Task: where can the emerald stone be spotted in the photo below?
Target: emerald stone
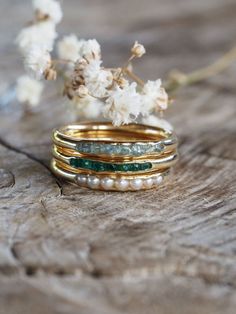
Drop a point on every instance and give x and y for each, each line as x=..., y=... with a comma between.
x=126, y=167
x=136, y=167
x=73, y=162
x=102, y=167
x=99, y=166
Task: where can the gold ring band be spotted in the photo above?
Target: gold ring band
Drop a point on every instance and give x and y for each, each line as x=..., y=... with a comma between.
x=110, y=182
x=101, y=156
x=163, y=162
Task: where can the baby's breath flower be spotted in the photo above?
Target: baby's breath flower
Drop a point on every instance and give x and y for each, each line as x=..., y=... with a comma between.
x=87, y=107
x=37, y=61
x=97, y=80
x=138, y=50
x=51, y=9
x=42, y=34
x=154, y=97
x=123, y=105
x=69, y=48
x=80, y=65
x=90, y=49
x=82, y=91
x=29, y=90
x=163, y=99
x=122, y=82
x=157, y=122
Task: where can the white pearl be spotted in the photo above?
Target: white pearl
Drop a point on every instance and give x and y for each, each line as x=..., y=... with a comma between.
x=82, y=179
x=148, y=183
x=122, y=184
x=93, y=182
x=158, y=180
x=136, y=184
x=107, y=183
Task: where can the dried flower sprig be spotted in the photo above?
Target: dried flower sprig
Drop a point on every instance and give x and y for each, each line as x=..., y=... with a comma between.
x=93, y=90
x=35, y=42
x=124, y=100
x=178, y=79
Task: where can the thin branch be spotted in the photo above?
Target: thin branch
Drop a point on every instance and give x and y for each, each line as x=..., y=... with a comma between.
x=177, y=79
x=134, y=77
x=61, y=61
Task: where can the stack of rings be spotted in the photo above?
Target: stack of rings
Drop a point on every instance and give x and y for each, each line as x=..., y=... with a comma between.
x=104, y=157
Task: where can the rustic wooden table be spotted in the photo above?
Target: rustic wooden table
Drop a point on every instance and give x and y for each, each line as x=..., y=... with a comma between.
x=170, y=251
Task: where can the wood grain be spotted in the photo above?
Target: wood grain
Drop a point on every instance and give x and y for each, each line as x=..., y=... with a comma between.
x=170, y=251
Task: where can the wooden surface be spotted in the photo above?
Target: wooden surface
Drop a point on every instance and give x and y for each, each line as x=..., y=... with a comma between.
x=170, y=251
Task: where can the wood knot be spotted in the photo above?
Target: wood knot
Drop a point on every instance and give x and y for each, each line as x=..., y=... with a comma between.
x=7, y=179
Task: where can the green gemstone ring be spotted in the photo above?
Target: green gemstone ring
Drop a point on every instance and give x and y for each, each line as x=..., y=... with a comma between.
x=104, y=157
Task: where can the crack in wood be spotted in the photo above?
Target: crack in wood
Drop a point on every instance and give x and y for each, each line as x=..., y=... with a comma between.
x=33, y=158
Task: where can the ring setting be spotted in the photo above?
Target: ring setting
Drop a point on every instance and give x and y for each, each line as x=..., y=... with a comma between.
x=103, y=157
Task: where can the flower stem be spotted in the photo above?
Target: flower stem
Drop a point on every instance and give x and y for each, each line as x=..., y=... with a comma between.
x=134, y=77
x=178, y=79
x=61, y=61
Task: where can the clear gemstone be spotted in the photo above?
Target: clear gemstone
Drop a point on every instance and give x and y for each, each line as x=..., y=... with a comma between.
x=116, y=149
x=125, y=150
x=108, y=149
x=149, y=148
x=86, y=147
x=138, y=149
x=79, y=147
x=159, y=147
x=96, y=148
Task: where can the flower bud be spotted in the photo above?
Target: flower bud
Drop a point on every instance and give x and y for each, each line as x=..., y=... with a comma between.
x=50, y=74
x=138, y=50
x=80, y=65
x=122, y=82
x=82, y=91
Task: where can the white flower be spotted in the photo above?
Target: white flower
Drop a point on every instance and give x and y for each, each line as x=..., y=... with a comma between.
x=28, y=90
x=154, y=97
x=97, y=80
x=82, y=91
x=157, y=122
x=138, y=50
x=50, y=8
x=90, y=49
x=123, y=105
x=69, y=48
x=37, y=61
x=42, y=34
x=87, y=107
